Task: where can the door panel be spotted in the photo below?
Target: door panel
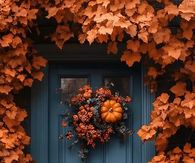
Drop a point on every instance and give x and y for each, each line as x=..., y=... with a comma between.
x=69, y=80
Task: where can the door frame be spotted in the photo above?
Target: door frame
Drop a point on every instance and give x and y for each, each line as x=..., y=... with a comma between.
x=40, y=95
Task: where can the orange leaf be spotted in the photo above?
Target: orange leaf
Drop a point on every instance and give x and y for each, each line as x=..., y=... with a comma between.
x=10, y=72
x=38, y=62
x=11, y=113
x=32, y=14
x=21, y=115
x=146, y=133
x=152, y=72
x=61, y=35
x=28, y=82
x=23, y=13
x=82, y=38
x=11, y=158
x=187, y=9
x=133, y=45
x=6, y=40
x=112, y=48
x=190, y=66
x=162, y=35
x=130, y=58
x=91, y=35
x=38, y=75
x=132, y=30
x=179, y=89
x=105, y=30
x=159, y=158
x=143, y=35
x=17, y=40
x=172, y=9
x=164, y=97
x=10, y=122
x=21, y=77
x=52, y=12
x=5, y=89
x=173, y=52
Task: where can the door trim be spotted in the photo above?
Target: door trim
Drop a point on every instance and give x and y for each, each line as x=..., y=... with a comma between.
x=39, y=110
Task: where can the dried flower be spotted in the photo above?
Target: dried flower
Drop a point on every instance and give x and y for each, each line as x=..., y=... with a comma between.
x=87, y=124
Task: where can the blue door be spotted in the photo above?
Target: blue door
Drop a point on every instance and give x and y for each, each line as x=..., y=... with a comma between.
x=60, y=83
x=68, y=80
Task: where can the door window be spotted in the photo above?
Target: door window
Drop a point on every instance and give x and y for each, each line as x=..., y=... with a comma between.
x=118, y=84
x=69, y=87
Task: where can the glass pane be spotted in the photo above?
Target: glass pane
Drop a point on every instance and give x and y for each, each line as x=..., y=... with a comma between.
x=70, y=86
x=118, y=84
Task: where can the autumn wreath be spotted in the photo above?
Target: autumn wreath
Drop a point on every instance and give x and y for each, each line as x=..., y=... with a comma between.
x=95, y=116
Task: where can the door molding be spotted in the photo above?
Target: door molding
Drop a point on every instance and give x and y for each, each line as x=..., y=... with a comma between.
x=77, y=52
x=39, y=119
x=40, y=97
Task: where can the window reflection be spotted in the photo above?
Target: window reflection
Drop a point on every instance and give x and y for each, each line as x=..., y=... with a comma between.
x=70, y=86
x=118, y=84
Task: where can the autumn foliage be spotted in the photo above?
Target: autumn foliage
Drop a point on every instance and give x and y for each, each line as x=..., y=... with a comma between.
x=160, y=31
x=19, y=66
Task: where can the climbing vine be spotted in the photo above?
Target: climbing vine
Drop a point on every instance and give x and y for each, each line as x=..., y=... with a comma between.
x=160, y=30
x=19, y=66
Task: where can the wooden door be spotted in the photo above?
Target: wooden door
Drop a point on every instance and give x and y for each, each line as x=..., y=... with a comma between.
x=47, y=111
x=68, y=80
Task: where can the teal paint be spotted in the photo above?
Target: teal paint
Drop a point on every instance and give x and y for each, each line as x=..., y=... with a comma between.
x=46, y=112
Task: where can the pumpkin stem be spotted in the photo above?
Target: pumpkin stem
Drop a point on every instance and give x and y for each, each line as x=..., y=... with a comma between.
x=110, y=110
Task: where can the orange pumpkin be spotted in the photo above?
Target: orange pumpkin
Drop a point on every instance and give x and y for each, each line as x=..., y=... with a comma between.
x=111, y=111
